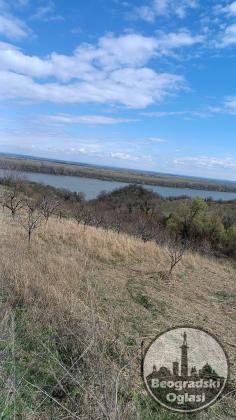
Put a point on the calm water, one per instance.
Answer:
(92, 187)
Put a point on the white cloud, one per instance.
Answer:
(110, 53)
(124, 156)
(166, 8)
(46, 12)
(113, 71)
(146, 13)
(131, 49)
(23, 3)
(227, 108)
(208, 162)
(169, 41)
(227, 34)
(161, 114)
(6, 4)
(228, 37)
(76, 30)
(11, 58)
(12, 28)
(161, 6)
(89, 61)
(84, 119)
(56, 143)
(156, 139)
(146, 86)
(185, 114)
(230, 9)
(230, 105)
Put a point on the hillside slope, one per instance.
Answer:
(76, 306)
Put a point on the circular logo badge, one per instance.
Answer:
(185, 369)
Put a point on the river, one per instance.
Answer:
(92, 187)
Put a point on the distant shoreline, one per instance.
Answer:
(71, 169)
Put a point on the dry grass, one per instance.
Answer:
(99, 293)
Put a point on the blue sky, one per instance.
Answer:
(146, 84)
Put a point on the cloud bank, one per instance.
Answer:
(114, 71)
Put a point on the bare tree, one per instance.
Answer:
(146, 227)
(176, 250)
(83, 216)
(88, 219)
(97, 220)
(97, 217)
(30, 218)
(12, 201)
(115, 223)
(78, 213)
(48, 207)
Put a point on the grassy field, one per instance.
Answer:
(56, 168)
(77, 304)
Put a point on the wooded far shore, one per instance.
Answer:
(70, 169)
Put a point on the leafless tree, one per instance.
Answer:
(98, 217)
(84, 216)
(97, 220)
(89, 220)
(146, 227)
(48, 207)
(30, 218)
(116, 224)
(79, 214)
(176, 250)
(12, 201)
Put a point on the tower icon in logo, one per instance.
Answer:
(184, 356)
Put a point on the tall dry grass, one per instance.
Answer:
(77, 306)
